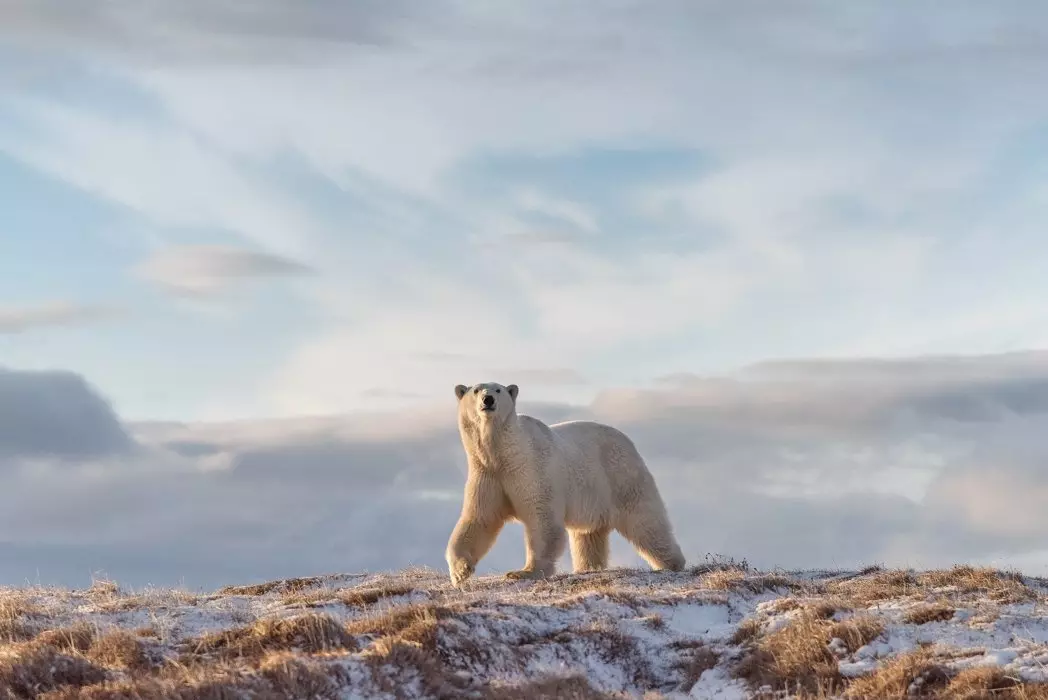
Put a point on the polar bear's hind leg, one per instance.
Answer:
(589, 550)
(648, 530)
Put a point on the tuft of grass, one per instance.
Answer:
(654, 622)
(738, 579)
(551, 688)
(999, 586)
(748, 630)
(798, 657)
(981, 682)
(930, 612)
(39, 668)
(308, 634)
(277, 676)
(907, 675)
(868, 589)
(19, 616)
(693, 664)
(414, 624)
(353, 597)
(289, 585)
(75, 639)
(120, 649)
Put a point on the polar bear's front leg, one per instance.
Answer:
(483, 515)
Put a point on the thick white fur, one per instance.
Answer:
(583, 477)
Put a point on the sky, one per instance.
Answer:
(248, 249)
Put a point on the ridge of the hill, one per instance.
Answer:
(720, 631)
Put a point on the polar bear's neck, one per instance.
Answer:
(493, 447)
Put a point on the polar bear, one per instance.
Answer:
(582, 476)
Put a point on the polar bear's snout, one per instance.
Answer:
(488, 403)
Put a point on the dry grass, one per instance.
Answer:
(39, 668)
(412, 624)
(353, 597)
(873, 588)
(748, 630)
(654, 622)
(930, 612)
(278, 676)
(19, 616)
(922, 674)
(553, 688)
(73, 639)
(798, 657)
(917, 673)
(737, 580)
(980, 682)
(999, 586)
(309, 634)
(120, 649)
(289, 585)
(700, 659)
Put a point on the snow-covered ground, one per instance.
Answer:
(712, 632)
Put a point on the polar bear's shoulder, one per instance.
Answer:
(534, 426)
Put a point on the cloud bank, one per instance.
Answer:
(922, 462)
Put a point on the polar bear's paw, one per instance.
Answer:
(460, 571)
(526, 575)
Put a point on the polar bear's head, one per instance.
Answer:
(487, 403)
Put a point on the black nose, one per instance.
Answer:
(489, 401)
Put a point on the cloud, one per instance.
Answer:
(197, 31)
(207, 269)
(27, 318)
(747, 196)
(56, 414)
(868, 461)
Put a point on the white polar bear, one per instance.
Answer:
(580, 475)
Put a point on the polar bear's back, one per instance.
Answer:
(602, 459)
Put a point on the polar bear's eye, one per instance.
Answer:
(477, 390)
(498, 391)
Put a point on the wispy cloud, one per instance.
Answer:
(632, 188)
(208, 269)
(19, 319)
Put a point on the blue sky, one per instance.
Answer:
(660, 189)
(218, 214)
(281, 211)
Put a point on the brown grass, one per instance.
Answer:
(309, 634)
(73, 639)
(999, 586)
(353, 597)
(916, 673)
(981, 682)
(748, 630)
(737, 579)
(694, 664)
(866, 590)
(798, 657)
(19, 617)
(288, 585)
(120, 649)
(414, 624)
(930, 612)
(654, 621)
(39, 668)
(553, 688)
(278, 676)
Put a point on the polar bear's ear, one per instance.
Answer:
(513, 390)
(460, 390)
